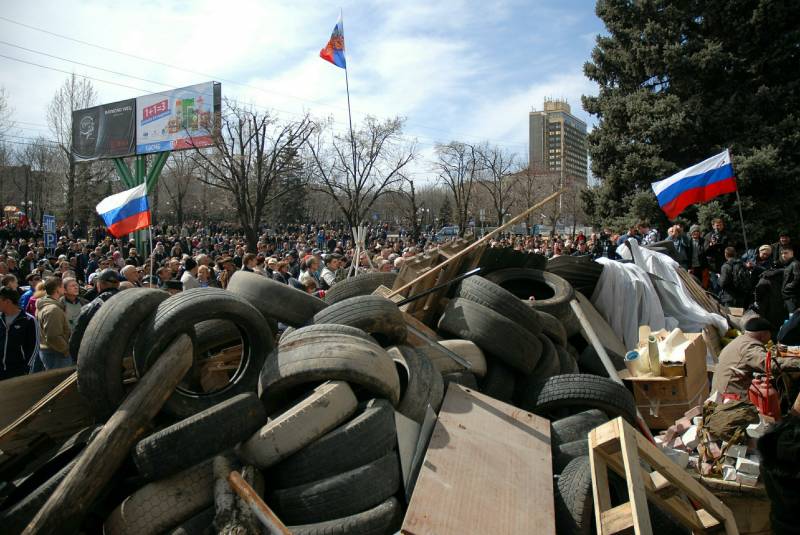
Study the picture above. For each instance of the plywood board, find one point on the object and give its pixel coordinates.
(487, 470)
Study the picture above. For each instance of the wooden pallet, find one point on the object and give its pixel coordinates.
(618, 446)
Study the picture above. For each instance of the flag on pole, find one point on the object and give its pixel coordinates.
(699, 183)
(126, 211)
(334, 50)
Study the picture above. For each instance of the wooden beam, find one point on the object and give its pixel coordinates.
(475, 245)
(97, 464)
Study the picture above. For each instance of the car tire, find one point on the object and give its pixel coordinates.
(373, 314)
(341, 495)
(199, 436)
(552, 293)
(579, 391)
(317, 356)
(493, 333)
(424, 385)
(552, 327)
(368, 436)
(465, 349)
(500, 382)
(484, 292)
(107, 341)
(383, 519)
(179, 314)
(573, 498)
(362, 284)
(274, 299)
(326, 407)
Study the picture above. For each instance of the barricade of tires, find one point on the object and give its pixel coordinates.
(309, 420)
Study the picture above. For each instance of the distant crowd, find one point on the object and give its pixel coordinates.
(45, 292)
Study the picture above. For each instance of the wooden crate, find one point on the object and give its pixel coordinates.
(617, 445)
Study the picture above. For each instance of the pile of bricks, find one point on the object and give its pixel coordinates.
(692, 446)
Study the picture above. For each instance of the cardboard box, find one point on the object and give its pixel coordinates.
(663, 400)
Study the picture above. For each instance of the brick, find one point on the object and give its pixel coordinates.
(693, 412)
(747, 466)
(705, 469)
(670, 433)
(747, 480)
(682, 425)
(729, 473)
(677, 444)
(690, 438)
(737, 451)
(679, 457)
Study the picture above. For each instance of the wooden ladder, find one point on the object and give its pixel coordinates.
(618, 446)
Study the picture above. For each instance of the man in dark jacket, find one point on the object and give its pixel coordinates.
(777, 248)
(715, 243)
(18, 336)
(791, 278)
(731, 280)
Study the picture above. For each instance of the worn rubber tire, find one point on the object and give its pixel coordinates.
(215, 335)
(486, 293)
(199, 524)
(383, 519)
(326, 407)
(368, 436)
(107, 341)
(341, 495)
(460, 378)
(373, 314)
(363, 284)
(494, 334)
(564, 453)
(291, 334)
(581, 391)
(274, 299)
(528, 386)
(571, 323)
(199, 436)
(566, 361)
(576, 426)
(163, 505)
(552, 327)
(500, 382)
(525, 282)
(573, 498)
(317, 356)
(466, 349)
(589, 362)
(179, 314)
(424, 383)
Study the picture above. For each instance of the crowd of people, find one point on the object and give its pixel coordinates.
(45, 293)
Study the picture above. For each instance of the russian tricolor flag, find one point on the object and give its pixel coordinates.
(126, 211)
(334, 50)
(699, 183)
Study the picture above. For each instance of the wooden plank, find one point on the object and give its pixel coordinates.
(19, 394)
(600, 490)
(487, 470)
(608, 338)
(66, 507)
(617, 518)
(633, 477)
(57, 414)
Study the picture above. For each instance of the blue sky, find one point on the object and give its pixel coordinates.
(460, 70)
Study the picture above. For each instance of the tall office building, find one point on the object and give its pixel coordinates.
(557, 143)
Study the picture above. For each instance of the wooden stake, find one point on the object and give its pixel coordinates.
(98, 463)
(257, 505)
(472, 246)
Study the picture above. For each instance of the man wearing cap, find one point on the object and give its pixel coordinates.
(17, 336)
(777, 248)
(106, 280)
(189, 277)
(741, 358)
(53, 327)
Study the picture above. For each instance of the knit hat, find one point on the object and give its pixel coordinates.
(757, 324)
(767, 248)
(694, 228)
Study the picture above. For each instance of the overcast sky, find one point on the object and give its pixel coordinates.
(460, 70)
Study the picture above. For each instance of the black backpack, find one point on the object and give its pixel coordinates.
(742, 280)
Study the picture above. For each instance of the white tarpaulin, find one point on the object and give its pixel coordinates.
(676, 300)
(626, 297)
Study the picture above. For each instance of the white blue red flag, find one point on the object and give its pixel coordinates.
(699, 183)
(126, 211)
(334, 50)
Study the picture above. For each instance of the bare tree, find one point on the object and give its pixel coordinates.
(529, 184)
(496, 178)
(457, 167)
(408, 191)
(252, 152)
(74, 94)
(181, 171)
(38, 159)
(6, 113)
(355, 171)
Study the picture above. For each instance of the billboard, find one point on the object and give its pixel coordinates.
(107, 131)
(177, 119)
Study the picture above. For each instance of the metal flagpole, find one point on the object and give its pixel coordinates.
(152, 253)
(739, 204)
(349, 113)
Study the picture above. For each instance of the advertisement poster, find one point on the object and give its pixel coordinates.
(106, 131)
(178, 119)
